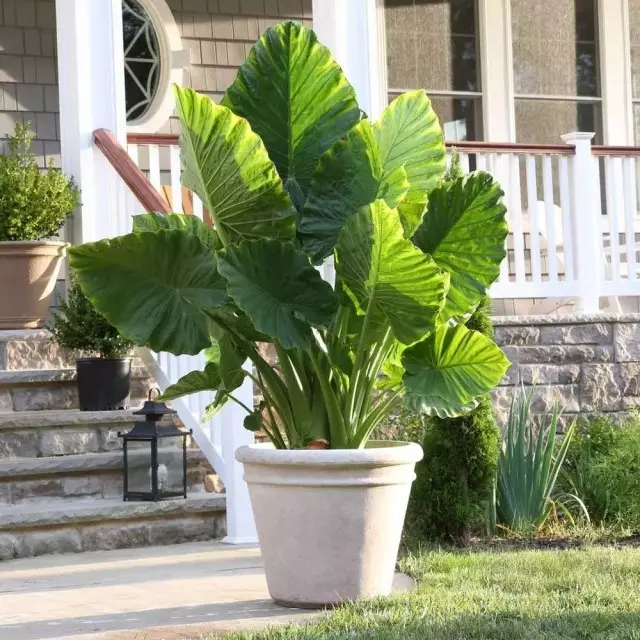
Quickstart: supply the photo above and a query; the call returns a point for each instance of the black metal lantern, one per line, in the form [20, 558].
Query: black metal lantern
[155, 456]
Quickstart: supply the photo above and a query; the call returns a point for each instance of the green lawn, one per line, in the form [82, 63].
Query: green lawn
[592, 593]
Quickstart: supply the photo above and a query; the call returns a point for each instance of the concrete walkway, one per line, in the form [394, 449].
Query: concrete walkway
[159, 593]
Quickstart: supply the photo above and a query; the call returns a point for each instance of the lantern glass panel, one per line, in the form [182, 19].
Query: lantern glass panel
[139, 466]
[170, 465]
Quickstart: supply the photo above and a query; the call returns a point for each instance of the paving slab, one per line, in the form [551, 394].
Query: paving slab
[180, 592]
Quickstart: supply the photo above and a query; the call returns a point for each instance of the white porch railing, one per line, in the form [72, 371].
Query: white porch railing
[572, 209]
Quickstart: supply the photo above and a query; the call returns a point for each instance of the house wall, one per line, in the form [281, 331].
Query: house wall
[28, 74]
[588, 364]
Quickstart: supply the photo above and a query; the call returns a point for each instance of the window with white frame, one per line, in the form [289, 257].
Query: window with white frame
[154, 59]
[433, 45]
[634, 38]
[556, 70]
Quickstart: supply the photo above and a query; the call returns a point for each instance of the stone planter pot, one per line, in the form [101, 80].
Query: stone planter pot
[329, 521]
[28, 274]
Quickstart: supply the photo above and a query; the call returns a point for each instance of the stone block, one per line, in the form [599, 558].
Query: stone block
[181, 530]
[36, 354]
[37, 489]
[82, 486]
[8, 547]
[63, 442]
[630, 378]
[213, 483]
[37, 543]
[627, 342]
[596, 333]
[549, 374]
[5, 493]
[6, 403]
[37, 398]
[109, 440]
[567, 397]
[600, 387]
[18, 444]
[106, 537]
[112, 486]
[571, 354]
[512, 376]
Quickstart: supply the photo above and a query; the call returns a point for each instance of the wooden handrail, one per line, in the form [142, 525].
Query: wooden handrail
[127, 169]
[167, 139]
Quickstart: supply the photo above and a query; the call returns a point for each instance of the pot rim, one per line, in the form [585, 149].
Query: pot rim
[33, 243]
[103, 359]
[377, 452]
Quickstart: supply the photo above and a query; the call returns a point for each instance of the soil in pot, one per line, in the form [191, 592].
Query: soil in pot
[28, 274]
[103, 384]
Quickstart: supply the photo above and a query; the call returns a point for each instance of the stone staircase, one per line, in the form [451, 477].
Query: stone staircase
[61, 469]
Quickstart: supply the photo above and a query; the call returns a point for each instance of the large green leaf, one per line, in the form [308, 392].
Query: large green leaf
[154, 287]
[296, 98]
[386, 274]
[464, 231]
[189, 224]
[194, 382]
[226, 164]
[278, 288]
[349, 176]
[450, 369]
[409, 137]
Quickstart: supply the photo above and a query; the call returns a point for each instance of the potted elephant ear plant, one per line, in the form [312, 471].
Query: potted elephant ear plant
[294, 173]
[34, 206]
[103, 365]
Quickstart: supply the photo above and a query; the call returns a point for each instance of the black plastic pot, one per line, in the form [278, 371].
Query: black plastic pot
[103, 385]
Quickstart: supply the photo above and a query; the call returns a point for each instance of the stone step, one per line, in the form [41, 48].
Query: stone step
[90, 525]
[37, 434]
[97, 476]
[55, 389]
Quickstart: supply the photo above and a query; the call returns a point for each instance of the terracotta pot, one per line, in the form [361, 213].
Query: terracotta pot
[28, 274]
[329, 522]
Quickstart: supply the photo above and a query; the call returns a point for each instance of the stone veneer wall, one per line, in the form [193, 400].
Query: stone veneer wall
[588, 363]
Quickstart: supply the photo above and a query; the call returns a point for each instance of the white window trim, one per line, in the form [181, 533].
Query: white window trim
[173, 59]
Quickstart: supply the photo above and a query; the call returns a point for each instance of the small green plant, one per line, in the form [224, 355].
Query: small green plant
[603, 469]
[34, 204]
[81, 328]
[528, 467]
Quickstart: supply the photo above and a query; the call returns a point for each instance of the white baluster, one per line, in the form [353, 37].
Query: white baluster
[630, 207]
[552, 246]
[515, 208]
[565, 203]
[612, 186]
[154, 166]
[176, 187]
[534, 228]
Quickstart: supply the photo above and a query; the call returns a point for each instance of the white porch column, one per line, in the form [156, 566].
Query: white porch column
[91, 85]
[587, 241]
[354, 31]
[496, 67]
[615, 71]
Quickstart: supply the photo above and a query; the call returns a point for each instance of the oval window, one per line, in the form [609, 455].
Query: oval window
[141, 60]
